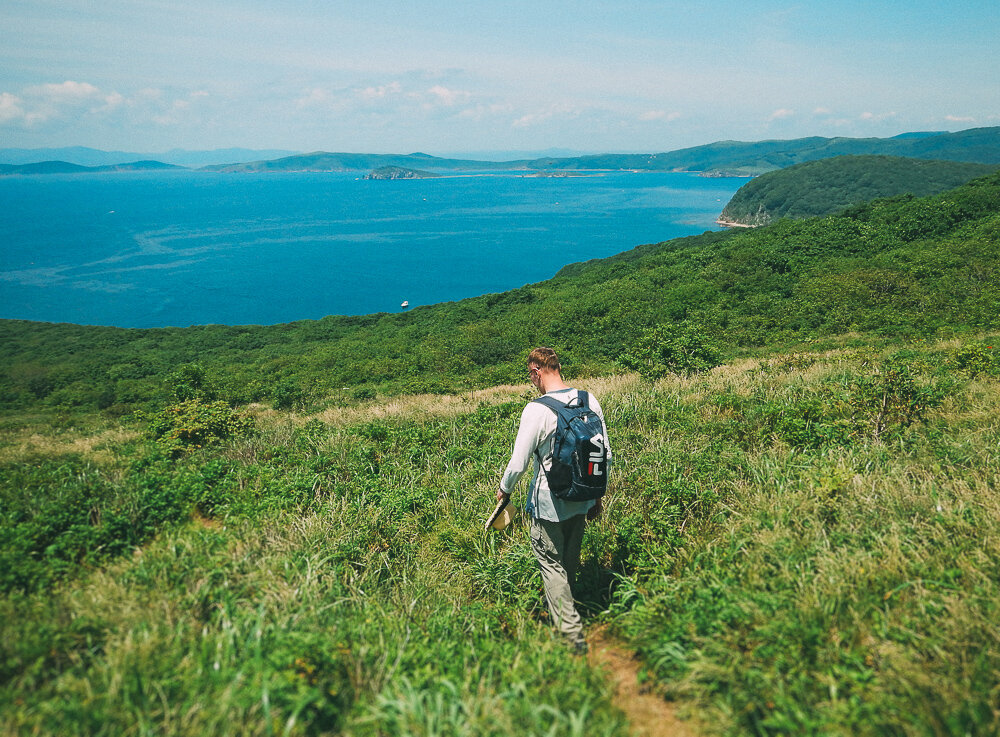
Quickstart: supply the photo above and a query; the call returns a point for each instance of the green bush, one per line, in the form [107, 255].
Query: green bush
[671, 349]
[975, 359]
[194, 424]
[890, 398]
[288, 394]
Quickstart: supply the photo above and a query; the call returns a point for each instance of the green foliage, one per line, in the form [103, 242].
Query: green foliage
[976, 359]
[671, 349]
[890, 398]
[192, 424]
[826, 186]
[363, 393]
[189, 382]
[779, 568]
[64, 513]
[876, 403]
[288, 394]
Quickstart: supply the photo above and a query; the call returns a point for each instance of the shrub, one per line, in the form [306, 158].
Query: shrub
[193, 424]
[671, 349]
[975, 359]
[288, 394]
[890, 398]
[189, 381]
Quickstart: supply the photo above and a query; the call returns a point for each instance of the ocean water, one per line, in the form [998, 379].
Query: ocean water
[191, 248]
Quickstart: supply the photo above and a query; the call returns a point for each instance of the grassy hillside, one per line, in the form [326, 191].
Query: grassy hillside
[826, 186]
[780, 568]
[803, 540]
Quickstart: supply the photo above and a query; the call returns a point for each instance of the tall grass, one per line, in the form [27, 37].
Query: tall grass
[341, 583]
[844, 585]
[780, 569]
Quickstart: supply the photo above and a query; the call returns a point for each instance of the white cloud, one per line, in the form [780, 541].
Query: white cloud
[68, 91]
[781, 113]
[876, 117]
[114, 100]
[448, 97]
[959, 119]
[10, 108]
[380, 92]
[526, 121]
[822, 111]
[315, 96]
[67, 100]
[480, 112]
[169, 112]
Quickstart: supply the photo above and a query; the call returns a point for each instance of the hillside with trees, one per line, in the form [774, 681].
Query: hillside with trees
[825, 186]
[278, 529]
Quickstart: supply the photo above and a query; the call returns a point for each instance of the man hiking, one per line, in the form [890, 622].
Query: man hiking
[558, 515]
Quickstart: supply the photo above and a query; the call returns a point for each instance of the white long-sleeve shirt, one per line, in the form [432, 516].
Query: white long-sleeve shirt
[538, 426]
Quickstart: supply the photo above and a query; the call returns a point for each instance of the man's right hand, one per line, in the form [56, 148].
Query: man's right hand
[597, 510]
[501, 495]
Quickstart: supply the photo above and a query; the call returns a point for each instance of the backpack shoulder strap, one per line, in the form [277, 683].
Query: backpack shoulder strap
[582, 399]
[561, 410]
[552, 403]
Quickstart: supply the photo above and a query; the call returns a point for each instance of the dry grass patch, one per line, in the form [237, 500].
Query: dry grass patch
[101, 448]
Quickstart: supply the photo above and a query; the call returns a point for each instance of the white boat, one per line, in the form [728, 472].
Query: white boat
[405, 304]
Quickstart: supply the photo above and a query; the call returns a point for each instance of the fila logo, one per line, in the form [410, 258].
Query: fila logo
[596, 456]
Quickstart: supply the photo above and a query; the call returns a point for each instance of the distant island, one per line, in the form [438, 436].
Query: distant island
[557, 174]
[64, 167]
[399, 172]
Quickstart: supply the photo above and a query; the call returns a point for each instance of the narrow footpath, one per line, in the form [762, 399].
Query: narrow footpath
[648, 714]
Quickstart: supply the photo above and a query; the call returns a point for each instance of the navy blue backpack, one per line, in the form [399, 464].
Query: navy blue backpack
[579, 453]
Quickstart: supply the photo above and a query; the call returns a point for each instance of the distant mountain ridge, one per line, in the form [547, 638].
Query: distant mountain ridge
[65, 167]
[84, 156]
[739, 158]
[977, 145]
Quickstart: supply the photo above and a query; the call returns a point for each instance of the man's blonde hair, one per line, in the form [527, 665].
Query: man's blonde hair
[544, 358]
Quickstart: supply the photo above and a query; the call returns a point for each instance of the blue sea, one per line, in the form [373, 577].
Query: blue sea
[191, 248]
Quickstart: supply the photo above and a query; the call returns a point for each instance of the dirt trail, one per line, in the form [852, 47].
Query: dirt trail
[648, 714]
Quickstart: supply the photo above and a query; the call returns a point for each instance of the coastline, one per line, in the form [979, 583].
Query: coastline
[732, 224]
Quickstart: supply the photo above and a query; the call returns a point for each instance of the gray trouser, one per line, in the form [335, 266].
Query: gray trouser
[557, 547]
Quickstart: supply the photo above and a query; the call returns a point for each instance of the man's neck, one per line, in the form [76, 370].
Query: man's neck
[551, 382]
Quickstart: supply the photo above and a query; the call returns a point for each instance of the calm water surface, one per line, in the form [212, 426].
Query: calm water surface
[188, 248]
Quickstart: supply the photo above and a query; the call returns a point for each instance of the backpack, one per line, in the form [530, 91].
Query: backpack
[579, 450]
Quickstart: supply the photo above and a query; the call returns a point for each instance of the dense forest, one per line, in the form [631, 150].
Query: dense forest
[823, 187]
[259, 530]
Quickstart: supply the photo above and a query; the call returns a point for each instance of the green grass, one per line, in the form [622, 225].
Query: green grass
[781, 567]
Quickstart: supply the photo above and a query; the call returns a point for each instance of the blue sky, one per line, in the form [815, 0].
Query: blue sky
[457, 76]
